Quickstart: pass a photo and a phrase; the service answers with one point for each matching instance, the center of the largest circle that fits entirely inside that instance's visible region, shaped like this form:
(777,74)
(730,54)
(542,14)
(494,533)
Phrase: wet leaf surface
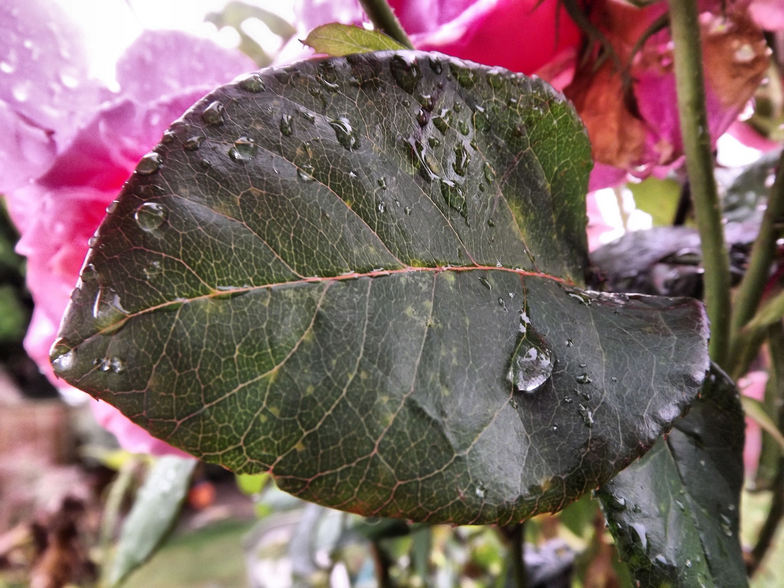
(363,274)
(674,513)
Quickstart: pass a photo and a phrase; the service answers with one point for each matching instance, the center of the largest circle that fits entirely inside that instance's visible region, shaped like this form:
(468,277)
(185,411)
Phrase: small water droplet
(308,116)
(443,119)
(344,133)
(252,83)
(435,65)
(112,206)
(464,76)
(502,303)
(286,125)
(107,310)
(569,343)
(193,143)
(168,136)
(462,159)
(584,379)
(149,164)
(406,72)
(641,532)
(485,282)
(63,357)
(426,101)
(480,490)
(587,415)
(687,563)
(433,142)
(490,222)
(381,207)
(407,210)
(305,173)
(422,117)
(152,270)
(462,126)
(89,274)
(382,183)
(489,173)
(150,216)
(213,113)
(454,196)
(243,149)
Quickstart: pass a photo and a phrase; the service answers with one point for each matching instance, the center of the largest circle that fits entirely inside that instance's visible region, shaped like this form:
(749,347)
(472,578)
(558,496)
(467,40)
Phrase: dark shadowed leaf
(360,275)
(339,40)
(666,260)
(152,516)
(674,513)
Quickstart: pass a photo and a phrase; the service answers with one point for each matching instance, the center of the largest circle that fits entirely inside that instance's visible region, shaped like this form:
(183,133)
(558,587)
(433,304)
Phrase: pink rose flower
(69,144)
(520,35)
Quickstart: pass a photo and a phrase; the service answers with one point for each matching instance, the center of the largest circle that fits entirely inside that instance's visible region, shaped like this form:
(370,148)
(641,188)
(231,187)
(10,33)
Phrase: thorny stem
(776,511)
(762,254)
(382,17)
(687,56)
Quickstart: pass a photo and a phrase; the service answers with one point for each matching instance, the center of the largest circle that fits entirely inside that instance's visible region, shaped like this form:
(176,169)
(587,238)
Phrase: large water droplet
(406,72)
(252,83)
(286,125)
(426,101)
(149,164)
(489,173)
(113,364)
(305,173)
(150,216)
(531,367)
(243,149)
(213,113)
(345,133)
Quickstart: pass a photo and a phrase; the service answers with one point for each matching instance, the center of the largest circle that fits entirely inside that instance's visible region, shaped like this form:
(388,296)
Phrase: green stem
(687,56)
(776,510)
(515,535)
(762,255)
(382,17)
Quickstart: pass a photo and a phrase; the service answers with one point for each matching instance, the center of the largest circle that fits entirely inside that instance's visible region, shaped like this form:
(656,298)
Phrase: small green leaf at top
(674,513)
(338,40)
(363,275)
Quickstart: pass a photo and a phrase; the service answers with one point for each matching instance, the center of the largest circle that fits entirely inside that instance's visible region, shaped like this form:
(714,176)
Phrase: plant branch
(763,252)
(382,17)
(699,164)
(776,510)
(515,535)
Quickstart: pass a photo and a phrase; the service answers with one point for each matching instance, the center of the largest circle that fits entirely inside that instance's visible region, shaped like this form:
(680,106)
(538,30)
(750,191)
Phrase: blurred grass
(210,557)
(754,509)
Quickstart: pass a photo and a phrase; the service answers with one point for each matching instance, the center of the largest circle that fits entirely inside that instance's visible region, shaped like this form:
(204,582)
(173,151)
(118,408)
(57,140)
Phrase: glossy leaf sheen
(356,273)
(674,513)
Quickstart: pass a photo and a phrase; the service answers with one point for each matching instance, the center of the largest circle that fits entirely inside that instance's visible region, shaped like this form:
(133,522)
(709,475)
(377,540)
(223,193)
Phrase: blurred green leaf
(13,316)
(152,515)
(756,410)
(251,483)
(659,198)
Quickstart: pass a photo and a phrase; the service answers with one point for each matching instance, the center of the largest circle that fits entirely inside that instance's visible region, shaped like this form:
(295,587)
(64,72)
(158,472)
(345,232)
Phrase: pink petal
(43,68)
(130,435)
(159,63)
(768,14)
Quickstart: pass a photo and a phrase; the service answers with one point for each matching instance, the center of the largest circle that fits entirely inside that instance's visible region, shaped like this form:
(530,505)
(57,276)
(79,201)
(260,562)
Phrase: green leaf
(338,40)
(756,410)
(657,197)
(360,274)
(152,515)
(674,513)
